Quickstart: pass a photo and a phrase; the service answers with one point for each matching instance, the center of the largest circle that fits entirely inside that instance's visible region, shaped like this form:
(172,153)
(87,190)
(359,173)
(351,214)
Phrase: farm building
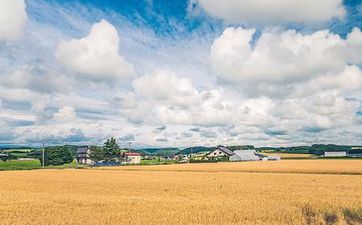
(273,158)
(245,155)
(131,157)
(82,155)
(220,151)
(335,154)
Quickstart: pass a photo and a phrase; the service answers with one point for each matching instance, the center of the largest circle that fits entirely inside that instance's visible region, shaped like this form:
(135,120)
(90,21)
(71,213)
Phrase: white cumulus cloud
(282,56)
(13,18)
(273,11)
(96,55)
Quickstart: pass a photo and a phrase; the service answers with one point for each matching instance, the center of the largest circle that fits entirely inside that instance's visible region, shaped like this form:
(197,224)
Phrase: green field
(20,165)
(32,164)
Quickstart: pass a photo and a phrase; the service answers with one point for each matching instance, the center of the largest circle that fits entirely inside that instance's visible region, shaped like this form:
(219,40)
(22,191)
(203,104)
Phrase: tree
(96,154)
(111,150)
(57,155)
(4,157)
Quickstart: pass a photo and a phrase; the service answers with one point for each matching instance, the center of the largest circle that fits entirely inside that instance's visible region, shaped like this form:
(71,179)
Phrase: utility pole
(43,156)
(190,155)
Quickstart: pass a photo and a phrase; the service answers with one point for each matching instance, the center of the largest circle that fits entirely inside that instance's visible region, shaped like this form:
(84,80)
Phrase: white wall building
(132,158)
(219,152)
(335,154)
(83,156)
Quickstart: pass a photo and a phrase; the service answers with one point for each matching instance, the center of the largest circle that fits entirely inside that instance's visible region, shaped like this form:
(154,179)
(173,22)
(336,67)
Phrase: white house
(132,157)
(245,155)
(83,155)
(219,152)
(335,154)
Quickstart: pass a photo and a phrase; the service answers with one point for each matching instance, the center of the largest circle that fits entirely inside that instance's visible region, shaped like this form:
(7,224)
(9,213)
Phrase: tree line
(60,155)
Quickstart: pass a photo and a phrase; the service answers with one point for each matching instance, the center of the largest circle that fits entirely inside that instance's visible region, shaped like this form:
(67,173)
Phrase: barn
(245,155)
(220,151)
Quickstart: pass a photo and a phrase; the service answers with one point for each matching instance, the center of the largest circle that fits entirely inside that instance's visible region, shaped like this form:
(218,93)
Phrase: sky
(180,73)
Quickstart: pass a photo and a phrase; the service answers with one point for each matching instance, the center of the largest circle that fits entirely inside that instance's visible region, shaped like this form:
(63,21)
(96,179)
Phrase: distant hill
(158,151)
(196,149)
(317,149)
(240,147)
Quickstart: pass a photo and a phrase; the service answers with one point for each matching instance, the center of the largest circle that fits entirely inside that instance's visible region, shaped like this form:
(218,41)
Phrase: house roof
(245,155)
(132,154)
(245,152)
(225,150)
(82,150)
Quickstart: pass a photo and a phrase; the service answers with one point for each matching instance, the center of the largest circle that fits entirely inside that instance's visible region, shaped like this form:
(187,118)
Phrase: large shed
(245,155)
(220,151)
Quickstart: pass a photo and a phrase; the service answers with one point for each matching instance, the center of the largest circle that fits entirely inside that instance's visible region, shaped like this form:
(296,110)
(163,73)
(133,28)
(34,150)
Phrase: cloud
(65,113)
(96,55)
(347,81)
(166,86)
(161,128)
(281,57)
(272,11)
(72,135)
(127,138)
(36,79)
(275,132)
(274,86)
(13,18)
(161,139)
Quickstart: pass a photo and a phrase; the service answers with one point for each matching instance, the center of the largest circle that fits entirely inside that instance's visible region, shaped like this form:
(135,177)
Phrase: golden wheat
(282,166)
(288,155)
(183,194)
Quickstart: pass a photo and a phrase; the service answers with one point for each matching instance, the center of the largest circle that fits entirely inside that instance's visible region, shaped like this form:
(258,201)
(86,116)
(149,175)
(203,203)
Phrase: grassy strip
(34,164)
(20,165)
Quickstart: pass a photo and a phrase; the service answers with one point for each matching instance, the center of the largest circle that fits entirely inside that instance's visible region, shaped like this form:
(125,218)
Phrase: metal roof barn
(244,155)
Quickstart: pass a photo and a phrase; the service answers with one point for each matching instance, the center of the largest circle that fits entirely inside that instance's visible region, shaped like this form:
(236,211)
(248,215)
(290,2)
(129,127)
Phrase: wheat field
(186,194)
(283,166)
(288,155)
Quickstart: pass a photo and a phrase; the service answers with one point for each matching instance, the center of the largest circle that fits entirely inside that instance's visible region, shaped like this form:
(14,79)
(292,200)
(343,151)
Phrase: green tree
(57,155)
(4,157)
(111,150)
(96,154)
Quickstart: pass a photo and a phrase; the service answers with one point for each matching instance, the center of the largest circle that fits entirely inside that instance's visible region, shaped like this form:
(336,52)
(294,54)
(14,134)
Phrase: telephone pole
(43,161)
(190,155)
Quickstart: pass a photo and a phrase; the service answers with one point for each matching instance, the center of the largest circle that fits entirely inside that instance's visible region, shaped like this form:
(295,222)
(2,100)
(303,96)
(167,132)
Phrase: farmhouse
(220,151)
(82,155)
(245,155)
(131,157)
(335,154)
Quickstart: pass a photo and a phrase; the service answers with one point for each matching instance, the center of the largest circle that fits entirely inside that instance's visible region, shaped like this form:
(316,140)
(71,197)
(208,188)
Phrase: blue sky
(205,71)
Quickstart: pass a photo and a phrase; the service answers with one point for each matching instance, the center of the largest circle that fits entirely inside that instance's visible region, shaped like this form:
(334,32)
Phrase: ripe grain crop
(201,194)
(289,155)
(323,166)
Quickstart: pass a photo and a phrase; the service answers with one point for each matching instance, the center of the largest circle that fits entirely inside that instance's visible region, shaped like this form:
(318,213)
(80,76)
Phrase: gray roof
(245,155)
(225,150)
(245,152)
(82,150)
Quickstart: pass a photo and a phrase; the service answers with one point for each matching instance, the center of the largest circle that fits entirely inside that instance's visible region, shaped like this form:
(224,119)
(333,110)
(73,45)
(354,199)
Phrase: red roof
(132,154)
